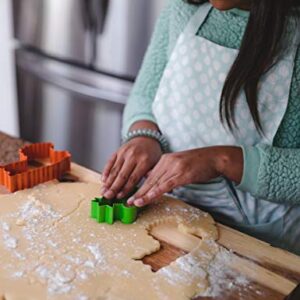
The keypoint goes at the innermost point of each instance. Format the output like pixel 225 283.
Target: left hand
pixel 174 170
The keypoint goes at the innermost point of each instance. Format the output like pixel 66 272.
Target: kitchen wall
pixel 8 104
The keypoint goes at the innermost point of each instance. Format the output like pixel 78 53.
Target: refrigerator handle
pixel 85 13
pixel 58 79
pixel 99 12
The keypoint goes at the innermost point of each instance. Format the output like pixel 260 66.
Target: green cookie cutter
pixel 108 211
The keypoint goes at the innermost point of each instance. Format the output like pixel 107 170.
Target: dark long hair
pixel 258 52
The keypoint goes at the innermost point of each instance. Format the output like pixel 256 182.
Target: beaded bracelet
pixel 146 132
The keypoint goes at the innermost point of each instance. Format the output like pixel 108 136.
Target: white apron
pixel 186 108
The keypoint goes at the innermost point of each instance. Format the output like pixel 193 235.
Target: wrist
pixel 145 139
pixel 228 162
pixel 144 124
pixel 150 133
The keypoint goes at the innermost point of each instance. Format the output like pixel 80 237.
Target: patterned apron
pixel 186 108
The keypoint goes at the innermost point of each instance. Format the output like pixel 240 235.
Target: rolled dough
pixel 51 249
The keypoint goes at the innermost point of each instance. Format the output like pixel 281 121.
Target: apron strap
pixel 296 40
pixel 290 45
pixel 198 18
pixel 202 12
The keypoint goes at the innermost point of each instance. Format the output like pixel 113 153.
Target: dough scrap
pixel 51 249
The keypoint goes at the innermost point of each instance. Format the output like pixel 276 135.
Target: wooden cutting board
pixel 272 273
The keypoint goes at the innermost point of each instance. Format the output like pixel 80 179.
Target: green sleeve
pixel 139 105
pixel 273 172
pixel 170 24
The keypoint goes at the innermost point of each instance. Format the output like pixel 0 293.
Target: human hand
pixel 193 166
pixel 129 165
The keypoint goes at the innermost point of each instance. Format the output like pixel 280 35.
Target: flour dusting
pixel 58 246
pixel 9 241
pixel 222 277
pixel 187 268
pixel 37 219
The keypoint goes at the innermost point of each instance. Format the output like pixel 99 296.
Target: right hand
pixel 129 165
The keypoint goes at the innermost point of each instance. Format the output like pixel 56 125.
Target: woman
pixel 220 85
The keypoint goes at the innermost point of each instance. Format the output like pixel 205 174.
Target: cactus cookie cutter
pixel 18 175
pixel 108 211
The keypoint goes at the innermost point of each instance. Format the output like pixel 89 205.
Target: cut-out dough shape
pixel 17 176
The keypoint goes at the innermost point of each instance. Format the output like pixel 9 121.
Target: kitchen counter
pixel 272 272
pixel 9 147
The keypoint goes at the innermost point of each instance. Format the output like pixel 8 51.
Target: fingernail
pixel 103 178
pixel 139 202
pixel 109 194
pixel 103 190
pixel 130 201
pixel 120 195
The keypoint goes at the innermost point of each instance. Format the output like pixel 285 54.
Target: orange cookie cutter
pixel 18 175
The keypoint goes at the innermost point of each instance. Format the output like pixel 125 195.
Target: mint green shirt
pixel 270 172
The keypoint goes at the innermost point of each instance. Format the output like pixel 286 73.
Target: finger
pixel 157 191
pixel 108 167
pixel 152 180
pixel 135 177
pixel 122 177
pixel 147 185
pixel 111 177
pixel 148 173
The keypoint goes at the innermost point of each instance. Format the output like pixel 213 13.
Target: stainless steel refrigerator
pixel 76 62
